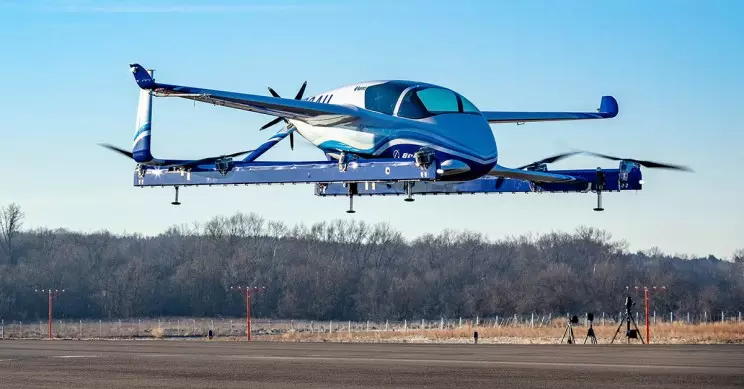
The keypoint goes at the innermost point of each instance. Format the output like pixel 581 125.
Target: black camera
pixel 589 316
pixel 629 302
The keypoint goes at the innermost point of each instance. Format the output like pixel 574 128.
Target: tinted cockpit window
pixel 467 106
pixel 423 102
pixel 383 97
pixel 411 107
pixel 437 100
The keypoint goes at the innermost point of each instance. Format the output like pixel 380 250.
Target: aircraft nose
pixel 483 141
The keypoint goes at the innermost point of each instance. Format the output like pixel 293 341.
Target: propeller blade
pixel 499 182
pixel 301 92
pixel 648 164
pixel 118 150
pixel 234 154
pixel 271 123
pixel 291 140
pixel 273 93
pixel 211 159
pixel 552 159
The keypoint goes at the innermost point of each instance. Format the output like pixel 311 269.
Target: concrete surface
pixel 229 364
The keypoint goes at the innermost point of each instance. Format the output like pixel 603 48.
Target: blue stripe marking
pixel 145 127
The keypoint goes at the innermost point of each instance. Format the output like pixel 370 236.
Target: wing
pixel 607 109
pixel 314 113
pixel 530 175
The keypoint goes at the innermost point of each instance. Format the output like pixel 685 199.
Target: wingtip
pixel 608 107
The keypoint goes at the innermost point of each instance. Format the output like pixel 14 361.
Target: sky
pixel 674 67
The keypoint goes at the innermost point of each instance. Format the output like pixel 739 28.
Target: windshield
pixel 429 101
pixel 383 97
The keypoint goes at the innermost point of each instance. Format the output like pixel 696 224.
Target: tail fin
pixel 143 77
pixel 141 145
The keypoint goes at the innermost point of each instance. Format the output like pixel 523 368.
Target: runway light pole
pixel 645 298
pixel 52 294
pixel 249 290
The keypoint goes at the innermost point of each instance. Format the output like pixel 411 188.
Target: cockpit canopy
pixel 415 100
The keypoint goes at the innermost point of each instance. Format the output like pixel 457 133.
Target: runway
pixel 231 364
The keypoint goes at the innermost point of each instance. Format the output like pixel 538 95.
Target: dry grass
pixel 157 332
pixel 302 331
pixel 677 333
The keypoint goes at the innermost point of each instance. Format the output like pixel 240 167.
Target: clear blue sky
pixel 674 66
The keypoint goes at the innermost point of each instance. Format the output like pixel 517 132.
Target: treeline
pixel 343 270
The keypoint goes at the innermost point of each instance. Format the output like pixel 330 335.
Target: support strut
pixel 409 191
pixel 352 191
pixel 599 202
pixel 600 187
pixel 175 202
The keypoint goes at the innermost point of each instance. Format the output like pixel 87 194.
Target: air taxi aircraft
pixel 383 121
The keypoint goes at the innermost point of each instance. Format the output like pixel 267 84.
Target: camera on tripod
pixel 569 330
pixel 590 332
pixel 629 302
pixel 630 333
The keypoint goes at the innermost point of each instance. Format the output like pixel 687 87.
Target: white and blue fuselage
pixel 369 120
pixel 400 118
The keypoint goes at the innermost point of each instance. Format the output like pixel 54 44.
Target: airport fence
pixel 180 327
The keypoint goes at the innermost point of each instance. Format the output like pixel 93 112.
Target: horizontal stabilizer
pixel 608 109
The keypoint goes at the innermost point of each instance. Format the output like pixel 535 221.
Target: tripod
pixel 635 333
pixel 590 332
pixel 569 330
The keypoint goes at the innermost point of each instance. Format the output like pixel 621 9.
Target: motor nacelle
pixel 423 158
pixel 224 165
pixel 541 167
pixel 140 170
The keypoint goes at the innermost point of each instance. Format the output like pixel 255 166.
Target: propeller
pixel 648 164
pixel 552 159
pixel 555 158
pixel 558 157
pixel 210 159
pixel 179 163
pixel 298 96
pixel 118 150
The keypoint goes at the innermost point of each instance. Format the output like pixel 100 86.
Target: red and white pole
pixel 648 339
pixel 50 313
pixel 248 313
pixel 248 296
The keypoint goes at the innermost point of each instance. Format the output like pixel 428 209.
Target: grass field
pixel 677 333
pixel 542 332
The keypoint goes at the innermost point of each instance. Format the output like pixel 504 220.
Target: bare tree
pixel 11 219
pixel 739 255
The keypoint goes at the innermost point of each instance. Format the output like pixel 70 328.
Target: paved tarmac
pixel 231 364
